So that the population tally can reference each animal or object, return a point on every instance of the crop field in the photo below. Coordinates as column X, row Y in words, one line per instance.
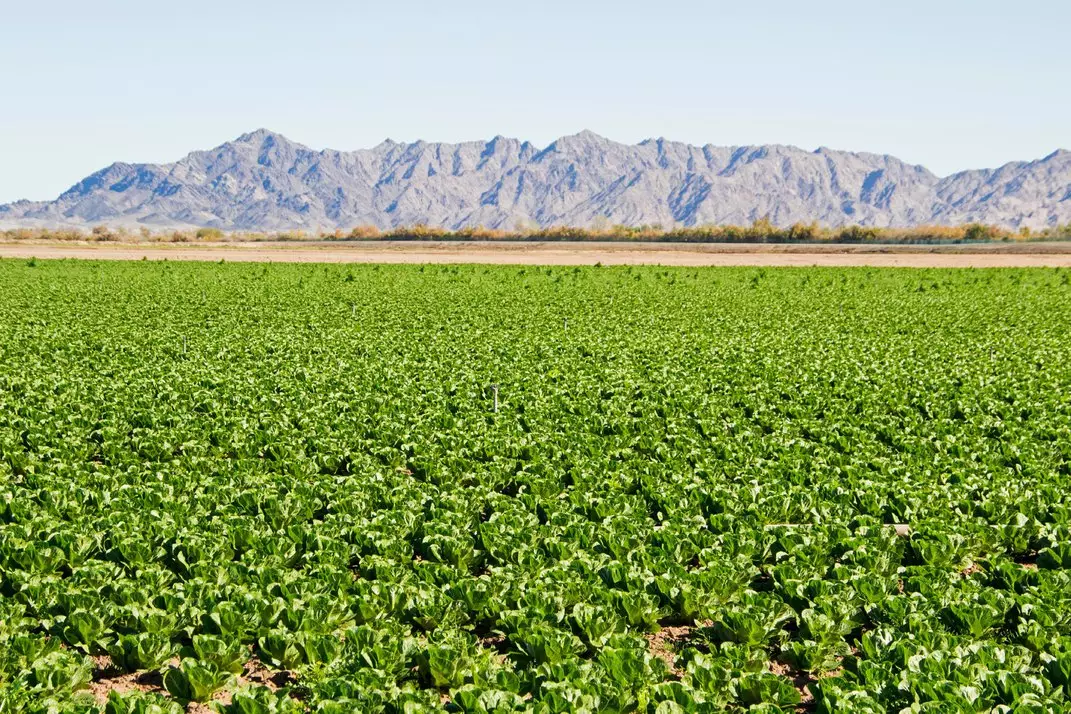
column 266, row 489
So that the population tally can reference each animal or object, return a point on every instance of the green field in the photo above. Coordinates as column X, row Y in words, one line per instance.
column 227, row 479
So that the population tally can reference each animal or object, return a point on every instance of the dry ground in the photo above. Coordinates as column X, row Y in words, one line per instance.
column 1054, row 254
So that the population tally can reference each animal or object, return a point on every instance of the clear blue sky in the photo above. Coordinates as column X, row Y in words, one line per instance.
column 949, row 84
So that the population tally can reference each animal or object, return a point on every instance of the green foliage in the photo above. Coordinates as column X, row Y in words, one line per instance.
column 261, row 700
column 227, row 655
column 86, row 631
column 195, row 681
column 145, row 650
column 690, row 499
column 141, row 703
column 58, row 671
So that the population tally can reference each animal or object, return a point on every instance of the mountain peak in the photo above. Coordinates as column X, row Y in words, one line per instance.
column 585, row 141
column 586, row 136
column 387, row 144
column 258, row 136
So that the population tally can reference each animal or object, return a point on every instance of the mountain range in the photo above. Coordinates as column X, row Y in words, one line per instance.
column 262, row 181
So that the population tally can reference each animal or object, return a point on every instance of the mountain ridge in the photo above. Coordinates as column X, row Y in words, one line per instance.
column 265, row 181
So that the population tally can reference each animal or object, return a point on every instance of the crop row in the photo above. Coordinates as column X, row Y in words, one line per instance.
column 281, row 488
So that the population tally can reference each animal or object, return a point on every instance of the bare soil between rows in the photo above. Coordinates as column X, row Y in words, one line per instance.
column 987, row 255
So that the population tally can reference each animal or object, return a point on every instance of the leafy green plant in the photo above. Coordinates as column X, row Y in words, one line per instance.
column 768, row 689
column 227, row 655
column 59, row 671
column 261, row 700
column 141, row 703
column 86, row 630
column 1056, row 557
column 755, row 622
column 194, row 681
column 142, row 651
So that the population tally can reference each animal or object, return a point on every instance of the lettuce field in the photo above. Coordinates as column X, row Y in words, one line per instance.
column 269, row 488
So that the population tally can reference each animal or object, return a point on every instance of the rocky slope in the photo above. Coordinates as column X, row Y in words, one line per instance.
column 263, row 181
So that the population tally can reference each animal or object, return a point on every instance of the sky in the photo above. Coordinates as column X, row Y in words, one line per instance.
column 948, row 84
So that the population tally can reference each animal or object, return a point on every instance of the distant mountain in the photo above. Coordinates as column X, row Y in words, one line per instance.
column 264, row 181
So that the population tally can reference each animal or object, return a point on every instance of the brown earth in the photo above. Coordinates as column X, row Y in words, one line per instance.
column 1048, row 254
column 108, row 678
column 667, row 642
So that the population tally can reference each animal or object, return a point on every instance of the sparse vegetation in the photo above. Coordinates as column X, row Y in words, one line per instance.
column 209, row 234
column 761, row 231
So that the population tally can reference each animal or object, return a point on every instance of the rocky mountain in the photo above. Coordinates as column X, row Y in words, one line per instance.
column 263, row 181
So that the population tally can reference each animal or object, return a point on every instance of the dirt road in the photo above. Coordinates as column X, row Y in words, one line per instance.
column 515, row 253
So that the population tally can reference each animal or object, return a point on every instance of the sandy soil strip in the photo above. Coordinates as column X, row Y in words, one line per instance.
column 688, row 255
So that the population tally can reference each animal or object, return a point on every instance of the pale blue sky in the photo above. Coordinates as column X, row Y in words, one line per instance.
column 949, row 84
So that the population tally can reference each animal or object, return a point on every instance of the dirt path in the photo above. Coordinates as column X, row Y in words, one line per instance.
column 689, row 255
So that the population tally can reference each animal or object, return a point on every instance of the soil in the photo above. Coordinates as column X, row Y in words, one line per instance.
column 665, row 644
column 108, row 678
column 1049, row 254
column 801, row 681
column 669, row 641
